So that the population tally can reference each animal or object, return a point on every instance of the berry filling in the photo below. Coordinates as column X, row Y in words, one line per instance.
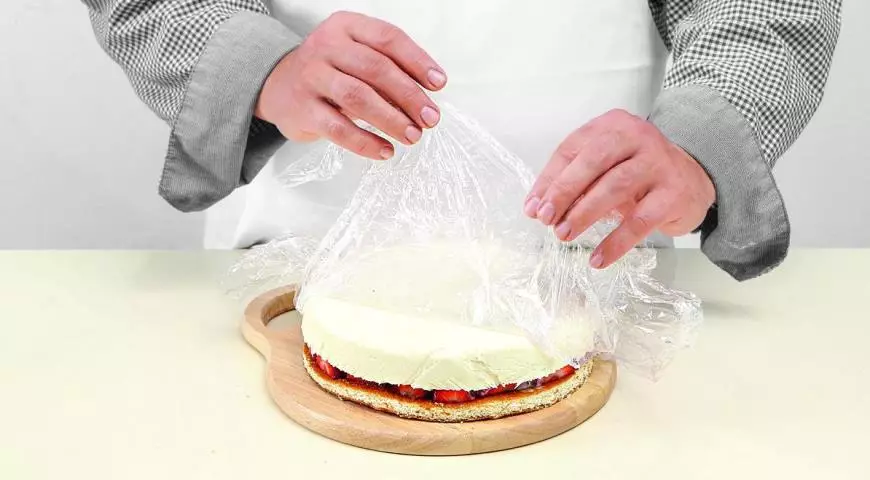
column 451, row 396
column 439, row 396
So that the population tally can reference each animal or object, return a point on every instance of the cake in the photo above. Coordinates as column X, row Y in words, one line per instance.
column 384, row 352
column 429, row 370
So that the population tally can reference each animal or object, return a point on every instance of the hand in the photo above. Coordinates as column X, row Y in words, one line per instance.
column 620, row 163
column 353, row 67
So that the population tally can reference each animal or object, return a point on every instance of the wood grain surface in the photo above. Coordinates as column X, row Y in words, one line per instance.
column 306, row 403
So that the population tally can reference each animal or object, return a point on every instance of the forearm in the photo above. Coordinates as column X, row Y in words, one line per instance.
column 746, row 78
column 199, row 66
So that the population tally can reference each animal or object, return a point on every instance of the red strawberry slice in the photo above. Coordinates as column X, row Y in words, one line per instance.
column 327, row 368
column 563, row 372
column 499, row 389
column 411, row 392
column 452, row 396
column 493, row 391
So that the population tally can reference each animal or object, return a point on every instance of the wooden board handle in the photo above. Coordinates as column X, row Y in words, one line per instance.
column 261, row 311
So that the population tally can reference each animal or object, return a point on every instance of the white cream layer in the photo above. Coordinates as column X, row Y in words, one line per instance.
column 385, row 347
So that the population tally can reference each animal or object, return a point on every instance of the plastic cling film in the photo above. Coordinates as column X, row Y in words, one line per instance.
column 438, row 232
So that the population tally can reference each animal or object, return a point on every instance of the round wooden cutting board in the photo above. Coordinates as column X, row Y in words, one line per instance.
column 310, row 406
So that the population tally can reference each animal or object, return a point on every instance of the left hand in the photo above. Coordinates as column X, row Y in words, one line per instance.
column 619, row 162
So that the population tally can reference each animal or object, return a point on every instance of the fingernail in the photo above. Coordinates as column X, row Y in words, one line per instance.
column 597, row 260
column 430, row 116
column 413, row 134
column 386, row 152
column 546, row 213
column 531, row 208
column 437, row 78
column 563, row 230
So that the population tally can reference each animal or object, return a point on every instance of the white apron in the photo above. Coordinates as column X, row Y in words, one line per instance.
column 529, row 71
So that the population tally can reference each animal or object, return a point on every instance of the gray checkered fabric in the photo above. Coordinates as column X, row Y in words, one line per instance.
column 768, row 58
column 158, row 43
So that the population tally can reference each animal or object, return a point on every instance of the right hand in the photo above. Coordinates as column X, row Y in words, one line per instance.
column 353, row 67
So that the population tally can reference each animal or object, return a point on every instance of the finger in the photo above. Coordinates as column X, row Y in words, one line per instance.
column 396, row 44
column 561, row 158
column 619, row 187
column 340, row 130
column 673, row 229
column 389, row 80
column 347, row 114
column 552, row 170
column 684, row 224
column 363, row 102
column 651, row 212
column 598, row 155
column 571, row 147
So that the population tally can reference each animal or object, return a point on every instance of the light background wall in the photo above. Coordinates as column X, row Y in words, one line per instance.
column 80, row 156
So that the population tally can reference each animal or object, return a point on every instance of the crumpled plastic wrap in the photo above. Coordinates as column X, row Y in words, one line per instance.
column 438, row 232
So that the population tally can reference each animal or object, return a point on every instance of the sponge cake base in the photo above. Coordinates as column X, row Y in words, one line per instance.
column 488, row 408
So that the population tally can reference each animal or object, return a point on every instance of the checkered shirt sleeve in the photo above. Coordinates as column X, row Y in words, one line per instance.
column 199, row 65
column 157, row 43
column 768, row 58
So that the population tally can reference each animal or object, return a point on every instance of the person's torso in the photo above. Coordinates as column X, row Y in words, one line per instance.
column 529, row 72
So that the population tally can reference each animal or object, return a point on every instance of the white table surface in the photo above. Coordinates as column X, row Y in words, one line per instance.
column 129, row 365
